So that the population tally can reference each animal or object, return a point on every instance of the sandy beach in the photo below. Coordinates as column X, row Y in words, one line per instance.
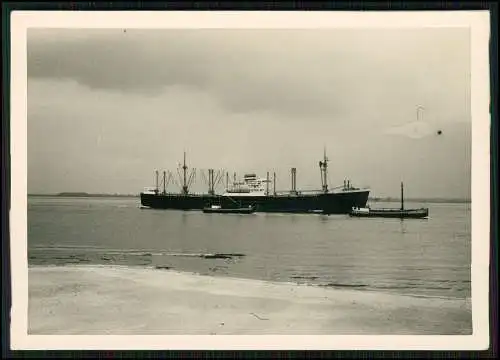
column 138, row 301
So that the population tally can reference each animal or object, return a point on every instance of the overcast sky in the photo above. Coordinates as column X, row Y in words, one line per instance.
column 106, row 108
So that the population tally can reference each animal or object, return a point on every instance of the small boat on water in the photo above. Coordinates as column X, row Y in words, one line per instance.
column 318, row 211
column 400, row 213
column 217, row 209
column 390, row 213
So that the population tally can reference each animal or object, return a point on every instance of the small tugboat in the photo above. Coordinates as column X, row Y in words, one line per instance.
column 219, row 210
column 401, row 213
column 318, row 211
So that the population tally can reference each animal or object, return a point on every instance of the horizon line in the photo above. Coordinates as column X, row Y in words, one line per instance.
column 373, row 198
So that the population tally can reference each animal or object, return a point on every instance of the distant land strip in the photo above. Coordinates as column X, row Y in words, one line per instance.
column 373, row 199
column 428, row 200
column 84, row 194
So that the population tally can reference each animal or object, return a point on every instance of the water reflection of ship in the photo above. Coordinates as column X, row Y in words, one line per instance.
column 257, row 192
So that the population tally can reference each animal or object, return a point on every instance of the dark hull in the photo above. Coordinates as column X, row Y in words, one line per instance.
column 332, row 203
column 400, row 214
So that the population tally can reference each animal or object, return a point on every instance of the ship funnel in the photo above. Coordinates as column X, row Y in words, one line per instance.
column 211, row 181
column 274, row 183
column 294, row 181
column 164, row 182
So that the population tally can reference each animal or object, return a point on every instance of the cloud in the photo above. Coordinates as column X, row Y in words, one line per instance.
column 413, row 130
column 319, row 73
column 107, row 108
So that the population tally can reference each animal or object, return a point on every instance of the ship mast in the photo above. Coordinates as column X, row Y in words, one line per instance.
column 156, row 182
column 324, row 175
column 184, row 185
column 267, row 183
column 402, row 200
column 212, row 185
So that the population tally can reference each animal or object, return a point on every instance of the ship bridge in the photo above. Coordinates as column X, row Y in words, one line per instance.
column 251, row 185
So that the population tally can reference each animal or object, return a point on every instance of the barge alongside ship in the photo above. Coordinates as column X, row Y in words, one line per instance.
column 255, row 192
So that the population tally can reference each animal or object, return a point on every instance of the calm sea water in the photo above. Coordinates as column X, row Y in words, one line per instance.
column 425, row 257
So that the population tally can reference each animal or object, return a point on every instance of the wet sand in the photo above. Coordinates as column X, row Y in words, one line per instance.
column 95, row 300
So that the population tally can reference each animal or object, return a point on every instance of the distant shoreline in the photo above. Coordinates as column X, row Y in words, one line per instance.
column 85, row 195
column 371, row 199
column 424, row 200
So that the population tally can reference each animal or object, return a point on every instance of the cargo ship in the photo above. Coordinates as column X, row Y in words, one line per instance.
column 258, row 193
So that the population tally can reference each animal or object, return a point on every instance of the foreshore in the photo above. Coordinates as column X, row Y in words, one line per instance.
column 91, row 300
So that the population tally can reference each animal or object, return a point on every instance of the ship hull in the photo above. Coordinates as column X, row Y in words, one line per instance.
column 330, row 203
column 393, row 213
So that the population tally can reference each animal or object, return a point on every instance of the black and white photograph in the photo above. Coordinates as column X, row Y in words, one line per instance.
column 254, row 174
